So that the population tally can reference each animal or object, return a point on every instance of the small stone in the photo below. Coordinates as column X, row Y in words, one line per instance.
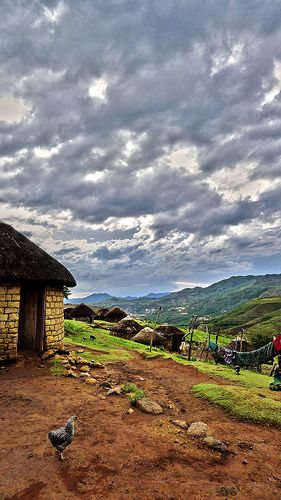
column 148, row 406
column 227, row 491
column 80, row 351
column 198, row 429
column 115, row 391
column 72, row 361
column 171, row 406
column 70, row 373
column 48, row 354
column 84, row 375
column 98, row 365
column 245, row 446
column 105, row 385
column 84, row 368
column 245, row 461
column 215, row 444
column 130, row 411
column 91, row 381
column 180, row 423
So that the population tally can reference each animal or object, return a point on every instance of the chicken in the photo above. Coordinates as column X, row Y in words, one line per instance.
column 63, row 437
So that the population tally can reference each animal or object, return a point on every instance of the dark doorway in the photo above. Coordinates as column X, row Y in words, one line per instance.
column 31, row 321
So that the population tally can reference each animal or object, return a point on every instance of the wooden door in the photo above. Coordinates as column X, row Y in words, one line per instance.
column 31, row 318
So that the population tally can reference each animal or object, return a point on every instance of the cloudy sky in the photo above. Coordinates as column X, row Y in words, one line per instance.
column 141, row 139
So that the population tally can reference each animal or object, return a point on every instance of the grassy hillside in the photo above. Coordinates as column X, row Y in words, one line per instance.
column 245, row 396
column 260, row 318
column 215, row 300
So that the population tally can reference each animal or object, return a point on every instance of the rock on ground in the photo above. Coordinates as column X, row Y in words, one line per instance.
column 198, row 429
column 148, row 406
column 215, row 444
column 180, row 423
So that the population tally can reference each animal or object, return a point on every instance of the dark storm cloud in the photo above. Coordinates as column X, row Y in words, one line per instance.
column 176, row 75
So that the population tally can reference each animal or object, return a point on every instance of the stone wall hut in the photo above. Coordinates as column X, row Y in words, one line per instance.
column 31, row 296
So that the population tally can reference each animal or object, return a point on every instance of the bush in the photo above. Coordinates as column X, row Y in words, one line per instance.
column 134, row 393
column 260, row 339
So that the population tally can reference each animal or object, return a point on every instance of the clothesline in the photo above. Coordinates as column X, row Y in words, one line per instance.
column 252, row 358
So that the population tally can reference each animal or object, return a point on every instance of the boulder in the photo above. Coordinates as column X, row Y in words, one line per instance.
column 198, row 430
column 215, row 444
column 148, row 406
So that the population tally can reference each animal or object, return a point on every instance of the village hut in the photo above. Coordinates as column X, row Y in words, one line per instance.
column 82, row 312
column 101, row 312
column 31, row 296
column 148, row 335
column 172, row 334
column 68, row 311
column 115, row 314
column 126, row 328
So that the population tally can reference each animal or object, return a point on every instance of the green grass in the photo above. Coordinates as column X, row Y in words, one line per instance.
column 134, row 393
column 110, row 348
column 57, row 367
column 242, row 403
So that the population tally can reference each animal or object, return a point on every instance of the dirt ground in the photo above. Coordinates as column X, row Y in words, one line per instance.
column 116, row 455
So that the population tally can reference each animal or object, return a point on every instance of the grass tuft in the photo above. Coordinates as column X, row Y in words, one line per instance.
column 242, row 403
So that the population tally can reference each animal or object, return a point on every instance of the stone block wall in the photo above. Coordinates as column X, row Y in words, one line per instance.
column 54, row 319
column 9, row 321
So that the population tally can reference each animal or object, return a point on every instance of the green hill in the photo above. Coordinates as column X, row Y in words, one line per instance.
column 215, row 300
column 260, row 318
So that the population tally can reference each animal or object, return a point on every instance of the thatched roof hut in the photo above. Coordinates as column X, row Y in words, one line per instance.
column 146, row 335
column 82, row 312
column 31, row 295
column 22, row 260
column 126, row 328
column 115, row 314
column 101, row 312
column 172, row 334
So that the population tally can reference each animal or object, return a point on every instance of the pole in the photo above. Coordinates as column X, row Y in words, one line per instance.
column 193, row 322
column 242, row 332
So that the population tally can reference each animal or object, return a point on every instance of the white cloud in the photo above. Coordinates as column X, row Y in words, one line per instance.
column 97, row 89
column 11, row 109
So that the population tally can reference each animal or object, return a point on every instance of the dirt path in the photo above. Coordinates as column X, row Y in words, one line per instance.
column 120, row 456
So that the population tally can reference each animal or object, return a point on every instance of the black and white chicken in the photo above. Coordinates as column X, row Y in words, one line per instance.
column 63, row 437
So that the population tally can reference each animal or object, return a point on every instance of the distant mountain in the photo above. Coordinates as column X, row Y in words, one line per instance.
column 178, row 307
column 155, row 295
column 90, row 299
column 214, row 300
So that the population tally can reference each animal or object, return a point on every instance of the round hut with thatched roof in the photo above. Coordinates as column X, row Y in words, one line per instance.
column 82, row 312
column 31, row 296
column 149, row 336
column 172, row 334
column 126, row 328
column 115, row 314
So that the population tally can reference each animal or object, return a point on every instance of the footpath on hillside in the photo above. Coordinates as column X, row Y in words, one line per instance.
column 117, row 453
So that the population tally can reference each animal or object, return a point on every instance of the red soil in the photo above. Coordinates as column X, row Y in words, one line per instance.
column 116, row 455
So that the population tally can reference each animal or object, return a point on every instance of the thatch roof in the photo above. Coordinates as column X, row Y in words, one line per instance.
column 101, row 312
column 82, row 310
column 145, row 335
column 22, row 260
column 126, row 328
column 115, row 314
column 168, row 330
